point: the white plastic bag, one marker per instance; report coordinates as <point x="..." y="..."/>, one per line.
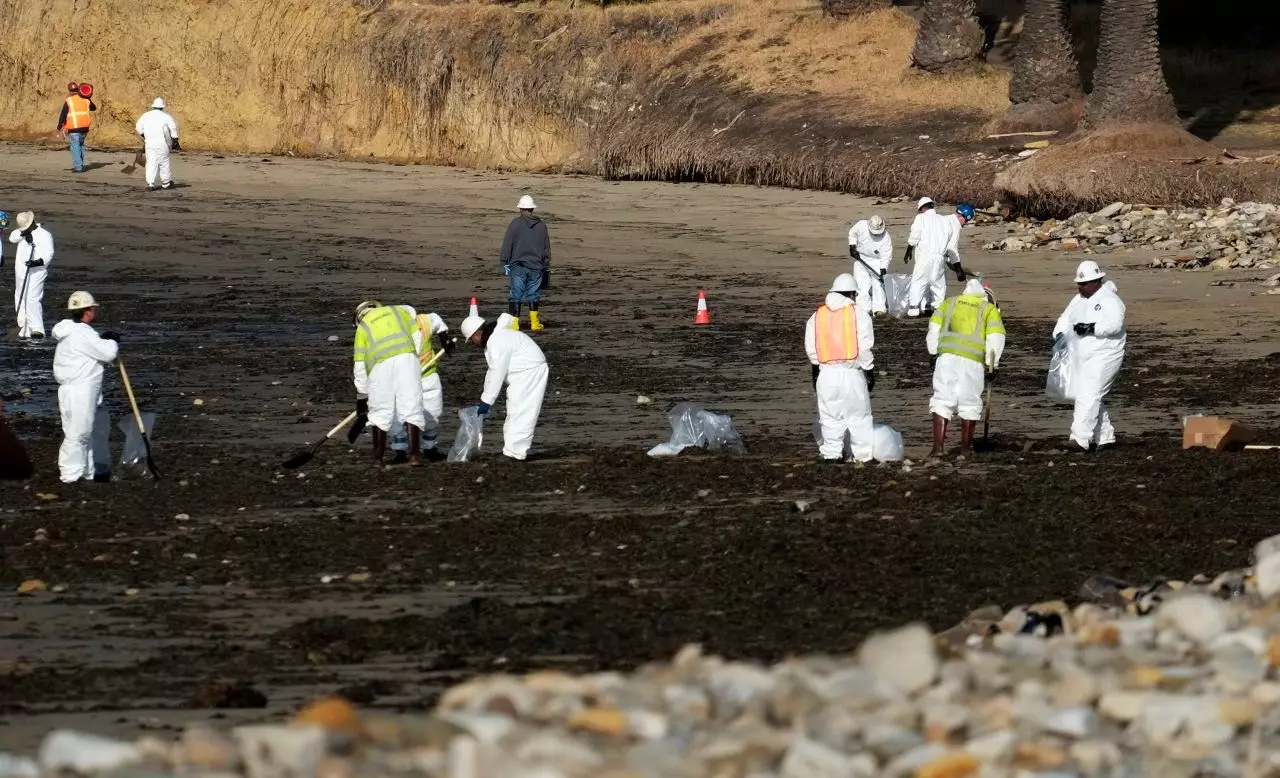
<point x="886" y="443"/>
<point x="133" y="462"/>
<point x="470" y="434"/>
<point x="896" y="287"/>
<point x="1057" y="385"/>
<point x="693" y="425"/>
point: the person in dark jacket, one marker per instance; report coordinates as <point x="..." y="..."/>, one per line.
<point x="75" y="120"/>
<point x="526" y="258"/>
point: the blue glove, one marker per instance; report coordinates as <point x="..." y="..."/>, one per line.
<point x="482" y="409"/>
<point x="506" y="270"/>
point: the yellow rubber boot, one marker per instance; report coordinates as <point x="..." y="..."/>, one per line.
<point x="534" y="324"/>
<point x="515" y="322"/>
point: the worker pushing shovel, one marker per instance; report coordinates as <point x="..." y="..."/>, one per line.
<point x="871" y="248"/>
<point x="965" y="340"/>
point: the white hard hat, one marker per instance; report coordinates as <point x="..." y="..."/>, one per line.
<point x="876" y="225"/>
<point x="365" y="307"/>
<point x="25" y="220"/>
<point x="844" y="283"/>
<point x="470" y="325"/>
<point x="974" y="287"/>
<point x="1089" y="271"/>
<point x="158" y="103"/>
<point x="526" y="203"/>
<point x="81" y="300"/>
<point x="923" y="202"/>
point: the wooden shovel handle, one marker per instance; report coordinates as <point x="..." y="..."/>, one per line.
<point x="128" y="390"/>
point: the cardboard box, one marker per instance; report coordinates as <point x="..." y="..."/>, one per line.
<point x="1215" y="432"/>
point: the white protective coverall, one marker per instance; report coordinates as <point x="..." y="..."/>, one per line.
<point x="77" y="367"/>
<point x="516" y="360"/>
<point x="936" y="241"/>
<point x="876" y="251"/>
<point x="394" y="389"/>
<point x="31" y="308"/>
<point x="158" y="131"/>
<point x="844" y="404"/>
<point x="1095" y="361"/>
<point x="958" y="382"/>
<point x="432" y="395"/>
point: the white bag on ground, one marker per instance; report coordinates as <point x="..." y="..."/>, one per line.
<point x="470" y="433"/>
<point x="133" y="462"/>
<point x="1057" y="385"/>
<point x="693" y="425"/>
<point x="886" y="443"/>
<point x="895" y="293"/>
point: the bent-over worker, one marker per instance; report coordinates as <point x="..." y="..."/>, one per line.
<point x="159" y="133"/>
<point x="838" y="339"/>
<point x="429" y="329"/>
<point x="871" y="248"/>
<point x="934" y="244"/>
<point x="77" y="367"/>
<point x="966" y="338"/>
<point x="516" y="360"/>
<point x="387" y="375"/>
<point x="30" y="270"/>
<point x="1093" y="325"/>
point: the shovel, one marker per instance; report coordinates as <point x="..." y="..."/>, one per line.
<point x="303" y="457"/>
<point x="137" y="416"/>
<point x="17" y="308"/>
<point x="986" y="412"/>
<point x="139" y="158"/>
<point x="353" y="434"/>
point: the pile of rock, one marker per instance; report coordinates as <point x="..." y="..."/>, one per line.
<point x="1231" y="235"/>
<point x="1176" y="679"/>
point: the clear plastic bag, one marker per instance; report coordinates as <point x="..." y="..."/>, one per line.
<point x="470" y="434"/>
<point x="1057" y="385"/>
<point x="896" y="287"/>
<point x="693" y="425"/>
<point x="886" y="444"/>
<point x="133" y="462"/>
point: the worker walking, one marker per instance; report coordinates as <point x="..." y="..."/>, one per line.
<point x="526" y="258"/>
<point x="516" y="360"/>
<point x="871" y="247"/>
<point x="75" y="120"/>
<point x="77" y="367"/>
<point x="934" y="243"/>
<point x="430" y="338"/>
<point x="1093" y="327"/>
<point x="30" y="269"/>
<point x="159" y="133"/>
<point x="966" y="339"/>
<point x="388" y="375"/>
<point x="838" y="339"/>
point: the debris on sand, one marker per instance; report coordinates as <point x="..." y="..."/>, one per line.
<point x="1180" y="674"/>
<point x="1230" y="235"/>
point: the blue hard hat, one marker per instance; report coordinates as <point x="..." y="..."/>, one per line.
<point x="965" y="210"/>
<point x="4" y="219"/>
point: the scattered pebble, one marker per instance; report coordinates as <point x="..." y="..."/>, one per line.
<point x="32" y="585"/>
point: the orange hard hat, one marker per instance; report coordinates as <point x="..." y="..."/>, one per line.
<point x="73" y="87"/>
<point x="86" y="90"/>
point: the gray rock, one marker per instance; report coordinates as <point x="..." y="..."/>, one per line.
<point x="276" y="751"/>
<point x="1077" y="723"/>
<point x="78" y="752"/>
<point x="1196" y="616"/>
<point x="1114" y="209"/>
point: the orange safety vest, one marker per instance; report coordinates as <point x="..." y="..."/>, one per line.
<point x="836" y="334"/>
<point x="78" y="115"/>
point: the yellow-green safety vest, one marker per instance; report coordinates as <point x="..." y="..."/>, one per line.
<point x="428" y="351"/>
<point x="383" y="333"/>
<point x="966" y="321"/>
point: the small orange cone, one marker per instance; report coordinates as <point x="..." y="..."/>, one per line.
<point x="703" y="316"/>
<point x="475" y="309"/>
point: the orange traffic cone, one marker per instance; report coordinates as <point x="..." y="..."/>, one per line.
<point x="475" y="309"/>
<point x="703" y="316"/>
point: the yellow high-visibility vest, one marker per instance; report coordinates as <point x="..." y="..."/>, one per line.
<point x="383" y="333"/>
<point x="966" y="321"/>
<point x="428" y="351"/>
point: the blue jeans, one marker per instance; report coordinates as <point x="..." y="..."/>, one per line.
<point x="76" y="139"/>
<point x="526" y="284"/>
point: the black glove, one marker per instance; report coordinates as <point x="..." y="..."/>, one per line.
<point x="1083" y="329"/>
<point x="853" y="251"/>
<point x="111" y="335"/>
<point x="882" y="273"/>
<point x="870" y="375"/>
<point x="816" y="369"/>
<point x="362" y="407"/>
<point x="448" y="345"/>
<point x="960" y="274"/>
<point x="933" y="361"/>
<point x="35" y="262"/>
<point x="911" y="252"/>
<point x="546" y="279"/>
<point x="176" y="146"/>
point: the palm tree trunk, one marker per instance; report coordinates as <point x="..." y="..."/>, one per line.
<point x="949" y="38"/>
<point x="1128" y="83"/>
<point x="1044" y="68"/>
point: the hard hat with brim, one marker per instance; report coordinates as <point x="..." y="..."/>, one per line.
<point x="25" y="220"/>
<point x="923" y="202"/>
<point x="844" y="283"/>
<point x="158" y="103"/>
<point x="526" y="204"/>
<point x="1089" y="271"/>
<point x="79" y="301"/>
<point x="876" y="225"/>
<point x="470" y="325"/>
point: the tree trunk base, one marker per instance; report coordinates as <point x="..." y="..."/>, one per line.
<point x="1038" y="116"/>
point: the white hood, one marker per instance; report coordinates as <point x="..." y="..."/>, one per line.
<point x="835" y="301"/>
<point x="504" y="321"/>
<point x="63" y="328"/>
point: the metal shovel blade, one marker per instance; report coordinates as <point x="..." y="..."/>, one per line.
<point x="138" y="159"/>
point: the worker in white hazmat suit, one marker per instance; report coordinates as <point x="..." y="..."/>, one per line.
<point x="1093" y="326"/>
<point x="159" y="133"/>
<point x="934" y="244"/>
<point x="966" y="339"/>
<point x="871" y="248"/>
<point x="77" y="367"/>
<point x="429" y="330"/>
<point x="514" y="359"/>
<point x="838" y="339"/>
<point x="387" y="375"/>
<point x="30" y="269"/>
